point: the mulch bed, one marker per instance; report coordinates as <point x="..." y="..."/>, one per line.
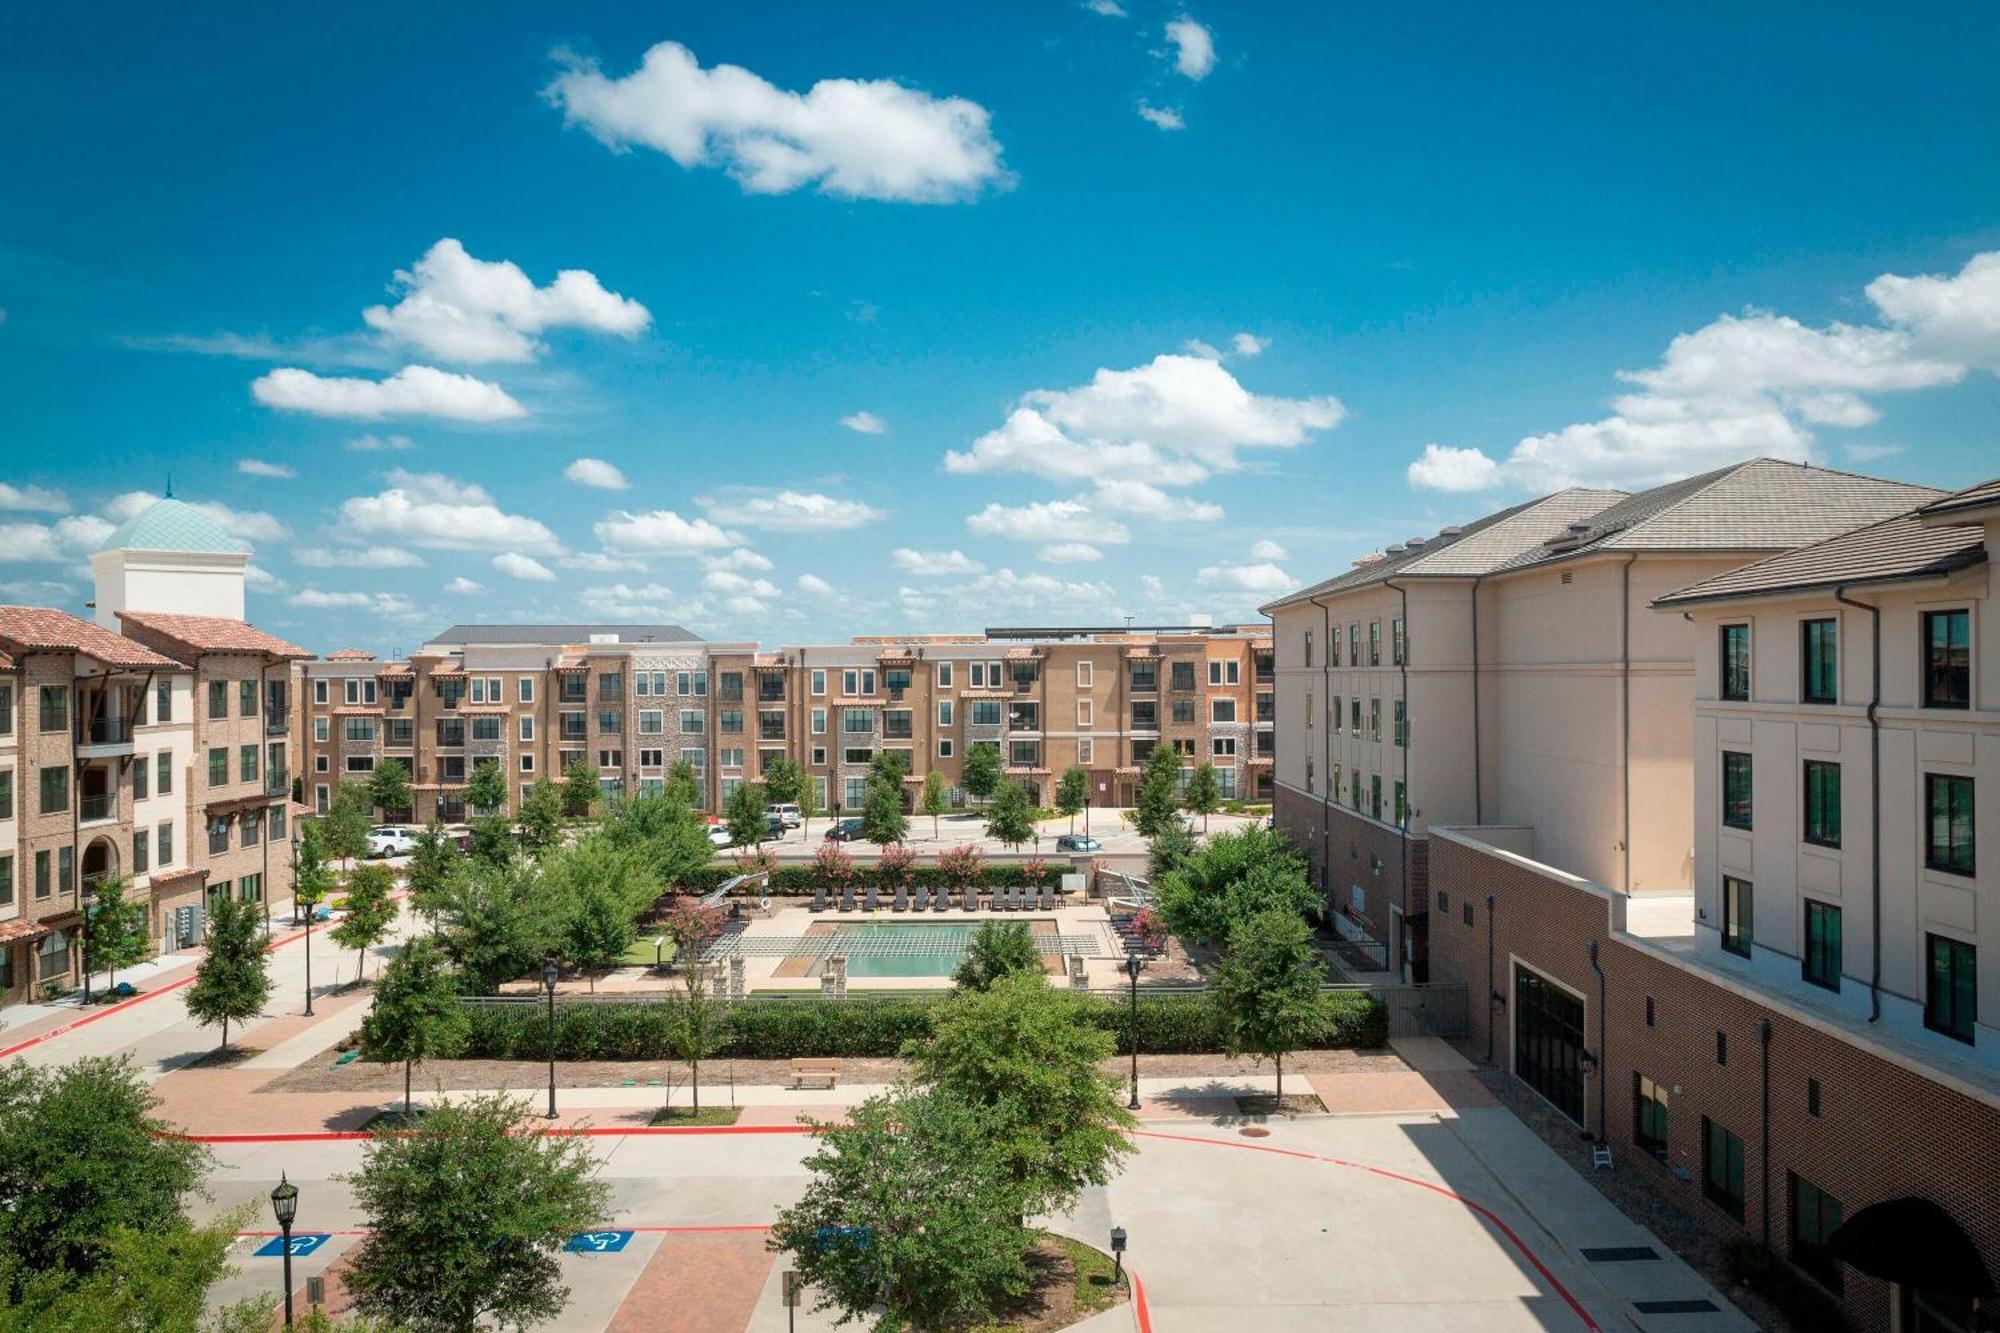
<point x="1296" y="1103"/>
<point x="1051" y="1302"/>
<point x="220" y="1059"/>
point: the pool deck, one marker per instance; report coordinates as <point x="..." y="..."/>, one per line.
<point x="781" y="972"/>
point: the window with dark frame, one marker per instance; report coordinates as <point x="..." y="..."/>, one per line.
<point x="1948" y="659"/>
<point x="1736" y="789"/>
<point x="1819" y="965"/>
<point x="1819" y="662"/>
<point x="1739" y="906"/>
<point x="1722" y="1168"/>
<point x="1816" y="1215"/>
<point x="1948" y="823"/>
<point x="1735" y="677"/>
<point x="1649" y="1116"/>
<point x="1822" y="822"/>
<point x="1951" y="995"/>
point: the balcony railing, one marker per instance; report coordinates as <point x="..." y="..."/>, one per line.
<point x="771" y="732"/>
<point x="1145" y="682"/>
<point x="277" y="721"/>
<point x="95" y="809"/>
<point x="277" y="782"/>
<point x="898" y="732"/>
<point x="107" y="731"/>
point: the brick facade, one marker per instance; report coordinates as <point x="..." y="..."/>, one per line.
<point x="1371" y="874"/>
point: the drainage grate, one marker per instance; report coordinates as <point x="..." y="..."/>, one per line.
<point x="1675" y="1307"/>
<point x="1619" y="1254"/>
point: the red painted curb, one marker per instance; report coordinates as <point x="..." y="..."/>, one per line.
<point x="1139" y="1309"/>
<point x="580" y="1132"/>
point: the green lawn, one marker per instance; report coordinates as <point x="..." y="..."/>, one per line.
<point x="710" y="1115"/>
<point x="641" y="953"/>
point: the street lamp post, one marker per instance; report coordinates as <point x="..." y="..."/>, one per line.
<point x="1117" y="1255"/>
<point x="311" y="910"/>
<point x="549" y="985"/>
<point x="1086" y="811"/>
<point x="1132" y="971"/>
<point x="285" y="1205"/>
<point x="89" y="892"/>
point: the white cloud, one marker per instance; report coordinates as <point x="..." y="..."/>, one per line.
<point x="1048" y="521"/>
<point x="359" y="557"/>
<point x="1194" y="47"/>
<point x="430" y="509"/>
<point x="66" y="539"/>
<point x="1248" y="345"/>
<point x="1170" y="422"/>
<point x="739" y="590"/>
<point x="526" y="568"/>
<point x="250" y="525"/>
<point x="390" y="604"/>
<point x="1069" y="553"/>
<point x="646" y="601"/>
<point x="858" y="139"/>
<point x="1155" y="587"/>
<point x="866" y="423"/>
<point x="263" y="580"/>
<point x="470" y="310"/>
<point x="595" y="472"/>
<point x="257" y="467"/>
<point x="1003" y="587"/>
<point x="812" y="585"/>
<point x="600" y="562"/>
<point x="38" y="498"/>
<point x="1957" y="318"/>
<point x="935" y="564"/>
<point x="1266" y="550"/>
<point x="1110" y="9"/>
<point x="411" y="391"/>
<point x="1443" y="468"/>
<point x="372" y="444"/>
<point x="1207" y="351"/>
<point x="1260" y="577"/>
<point x="462" y="584"/>
<point x="1161" y="117"/>
<point x="661" y="532"/>
<point x="1137" y="497"/>
<point x="740" y="558"/>
<point x="793" y="511"/>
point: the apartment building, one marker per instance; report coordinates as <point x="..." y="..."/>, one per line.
<point x="1509" y="672"/>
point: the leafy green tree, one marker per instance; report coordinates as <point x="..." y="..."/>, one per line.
<point x="890" y="766"/>
<point x="911" y="1207"/>
<point x="1028" y="1056"/>
<point x="370" y="911"/>
<point x="415" y="1014"/>
<point x="1269" y="987"/>
<point x="1231" y="878"/>
<point x="1204" y="793"/>
<point x="1072" y="793"/>
<point x="498" y="923"/>
<point x="683" y="788"/>
<point x="431" y="867"/>
<point x="935" y="799"/>
<point x="747" y="824"/>
<point x="785" y="782"/>
<point x="666" y="835"/>
<point x="388" y="787"/>
<point x="467" y="1213"/>
<point x="696" y="1021"/>
<point x="1159" y="792"/>
<point x="486" y="792"/>
<point x="493" y="839"/>
<point x="599" y="930"/>
<point x="82" y="1156"/>
<point x="311" y="880"/>
<point x="982" y="771"/>
<point x="541" y="817"/>
<point x="114" y="931"/>
<point x="1169" y="849"/>
<point x="997" y="949"/>
<point x="155" y="1278"/>
<point x="580" y="790"/>
<point x="234" y="978"/>
<point x="882" y="818"/>
<point x="810" y="807"/>
<point x="1011" y="817"/>
<point x="347" y="820"/>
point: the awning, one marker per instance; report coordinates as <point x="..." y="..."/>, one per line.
<point x="15" y="932"/>
<point x="1914" y="1242"/>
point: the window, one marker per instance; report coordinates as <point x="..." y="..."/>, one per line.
<point x="1735" y="662"/>
<point x="1822" y="803"/>
<point x="819" y="719"/>
<point x="41" y="874"/>
<point x="1221" y="710"/>
<point x="1951" y="998"/>
<point x="52" y="956"/>
<point x="55" y="790"/>
<point x="1649" y="1116"/>
<point x="527" y="726"/>
<point x="1739" y="901"/>
<point x="693" y="722"/>
<point x="1819" y="662"/>
<point x="1354" y="717"/>
<point x="944" y="675"/>
<point x="218" y="697"/>
<point x="322" y="730"/>
<point x="320" y="798"/>
<point x="1145" y="715"/>
<point x="250" y="888"/>
<point x="7" y="791"/>
<point x="854" y="682"/>
<point x="1222" y="747"/>
<point x="1337" y="716"/>
<point x="1722" y="1168"/>
<point x="1182" y="711"/>
<point x="1375" y="796"/>
<point x="218" y="836"/>
<point x="1085" y="673"/>
<point x="655" y="759"/>
<point x="1225" y="671"/>
<point x="1354" y="645"/>
<point x="729" y="721"/>
<point x="6" y="892"/>
<point x="819" y="754"/>
<point x="1374" y="719"/>
<point x="945" y="747"/>
<point x="1402" y="804"/>
<point x="163" y="702"/>
<point x="1374" y="643"/>
<point x="55" y="707"/>
<point x="319" y="695"/>
<point x="527" y="763"/>
<point x="944" y="712"/>
<point x="486" y="729"/>
<point x="1397" y="646"/>
<point x="819" y="680"/>
<point x="1948" y="819"/>
<point x="246" y="697"/>
<point x="652" y="722"/>
<point x="1309" y="647"/>
<point x="1815" y="1216"/>
<point x="730" y="756"/>
<point x="253" y="827"/>
<point x="163" y="773"/>
<point x="246" y="763"/>
<point x="1820" y="964"/>
<point x="1086" y="750"/>
<point x="1402" y="722"/>
<point x="1145" y="676"/>
<point x="610" y="758"/>
<point x="696" y="760"/>
<point x="1735" y="789"/>
<point x="1947" y="659"/>
<point x="524" y="689"/>
<point x="610" y="686"/>
<point x="857" y="721"/>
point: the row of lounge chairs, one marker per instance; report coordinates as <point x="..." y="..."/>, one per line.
<point x="1009" y="899"/>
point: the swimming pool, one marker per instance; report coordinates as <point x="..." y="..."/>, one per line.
<point x="906" y="948"/>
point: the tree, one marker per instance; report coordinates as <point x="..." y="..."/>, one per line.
<point x="599" y="930"/>
<point x="785" y="782"/>
<point x="498" y="922"/>
<point x="1159" y="792"/>
<point x="388" y="787"/>
<point x="982" y="772"/>
<point x="486" y="793"/>
<point x="682" y="787"/>
<point x="416" y="1013"/>
<point x="695" y="1022"/>
<point x="82" y="1156"/>
<point x="1268" y="987"/>
<point x="370" y="911"/>
<point x="935" y="799"/>
<point x="1072" y="793"/>
<point x="910" y="1207"/>
<point x="882" y="818"/>
<point x="1029" y="1056"/>
<point x="311" y="880"/>
<point x="691" y="924"/>
<point x="748" y="825"/>
<point x="665" y="834"/>
<point x="1231" y="878"/>
<point x="541" y="817"/>
<point x="347" y="820"/>
<point x="1011" y="818"/>
<point x="890" y="766"/>
<point x="809" y="806"/>
<point x="234" y="979"/>
<point x="1169" y="849"/>
<point x="467" y="1213"/>
<point x="431" y="866"/>
<point x="1204" y="793"/>
<point x="114" y="931"/>
<point x="492" y="839"/>
<point x="580" y="790"/>
<point x="156" y="1278"/>
<point x="997" y="949"/>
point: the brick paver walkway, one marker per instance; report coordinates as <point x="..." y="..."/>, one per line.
<point x="697" y="1282"/>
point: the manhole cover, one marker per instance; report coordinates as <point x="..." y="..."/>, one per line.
<point x="1254" y="1132"/>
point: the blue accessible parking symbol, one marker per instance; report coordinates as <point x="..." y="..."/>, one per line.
<point x="302" y="1245"/>
<point x="598" y="1242"/>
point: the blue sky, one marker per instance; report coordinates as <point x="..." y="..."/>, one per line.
<point x="1153" y="312"/>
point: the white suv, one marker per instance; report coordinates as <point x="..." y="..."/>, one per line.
<point x="786" y="814"/>
<point x="391" y="840"/>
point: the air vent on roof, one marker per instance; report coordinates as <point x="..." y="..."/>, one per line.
<point x="1414" y="544"/>
<point x="1450" y="534"/>
<point x="1579" y="528"/>
<point x="1392" y="551"/>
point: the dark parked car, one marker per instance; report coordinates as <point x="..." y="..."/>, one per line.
<point x="847" y="830"/>
<point x="1078" y="842"/>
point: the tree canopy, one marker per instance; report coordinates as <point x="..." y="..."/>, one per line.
<point x="389" y="786"/>
<point x="486" y="792"/>
<point x="369" y="912"/>
<point x="1269" y="987"/>
<point x="346" y="822"/>
<point x="982" y="771"/>
<point x="1204" y="792"/>
<point x="882" y="818"/>
<point x="745" y="812"/>
<point x="1159" y="792"/>
<point x="416" y="1013"/>
<point x="1011" y="818"/>
<point x="1072" y="793"/>
<point x="541" y="817"/>
<point x="935" y="800"/>
<point x="997" y="949"/>
<point x="234" y="978"/>
<point x="114" y="929"/>
<point x="1231" y="878"/>
<point x="580" y="789"/>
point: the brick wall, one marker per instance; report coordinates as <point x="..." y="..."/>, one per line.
<point x="1343" y="849"/>
<point x="1882" y="1131"/>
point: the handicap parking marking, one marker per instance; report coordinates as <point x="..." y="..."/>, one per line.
<point x="302" y="1245"/>
<point x="598" y="1242"/>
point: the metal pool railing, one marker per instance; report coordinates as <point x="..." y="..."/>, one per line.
<point x="883" y="942"/>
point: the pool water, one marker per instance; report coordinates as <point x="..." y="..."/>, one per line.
<point x="901" y="948"/>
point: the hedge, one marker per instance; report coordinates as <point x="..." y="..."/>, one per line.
<point x="803" y="880"/>
<point x="777" y="1029"/>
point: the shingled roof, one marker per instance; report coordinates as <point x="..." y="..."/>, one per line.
<point x="194" y="635"/>
<point x="42" y="629"/>
<point x="1894" y="550"/>
<point x="1972" y="497"/>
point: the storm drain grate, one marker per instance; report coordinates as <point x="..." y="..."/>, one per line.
<point x="1619" y="1254"/>
<point x="1675" y="1307"/>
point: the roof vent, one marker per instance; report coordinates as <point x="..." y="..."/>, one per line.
<point x="1414" y="544"/>
<point x="1579" y="528"/>
<point x="1450" y="534"/>
<point x="1392" y="551"/>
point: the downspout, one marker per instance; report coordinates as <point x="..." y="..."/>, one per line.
<point x="1874" y="799"/>
<point x="1491" y="994"/>
<point x="1478" y="794"/>
<point x="1764" y="1152"/>
<point x="1603" y="1041"/>
<point x="1403" y="819"/>
<point x="1625" y="713"/>
<point x="264" y="769"/>
<point x="1326" y="752"/>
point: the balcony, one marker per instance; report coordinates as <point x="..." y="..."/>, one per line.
<point x="97" y="809"/>
<point x="277" y="721"/>
<point x="898" y="731"/>
<point x="277" y="782"/>
<point x="1145" y="682"/>
<point x="1024" y="718"/>
<point x="104" y="736"/>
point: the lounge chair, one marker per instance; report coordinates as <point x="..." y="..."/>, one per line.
<point x="819" y="899"/>
<point x="971" y="898"/>
<point x="902" y="903"/>
<point x="1048" y="899"/>
<point x="847" y="899"/>
<point x="873" y="901"/>
<point x="1012" y="901"/>
<point x="943" y="900"/>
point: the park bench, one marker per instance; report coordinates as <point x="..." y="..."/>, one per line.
<point x="815" y="1073"/>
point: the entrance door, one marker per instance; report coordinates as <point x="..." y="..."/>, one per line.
<point x="1548" y="1039"/>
